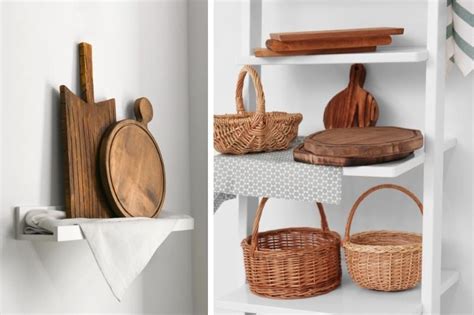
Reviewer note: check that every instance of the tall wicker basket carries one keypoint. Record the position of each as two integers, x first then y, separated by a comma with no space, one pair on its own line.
383,260
258,131
294,262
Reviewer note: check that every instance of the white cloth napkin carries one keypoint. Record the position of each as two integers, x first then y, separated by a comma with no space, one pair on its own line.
460,34
122,247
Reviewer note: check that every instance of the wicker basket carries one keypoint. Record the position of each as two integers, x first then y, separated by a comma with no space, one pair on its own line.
258,131
383,260
294,262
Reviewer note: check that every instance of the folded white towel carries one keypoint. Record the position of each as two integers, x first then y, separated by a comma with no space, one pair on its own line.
122,247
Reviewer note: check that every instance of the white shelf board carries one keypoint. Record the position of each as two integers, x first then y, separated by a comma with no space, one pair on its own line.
347,299
395,168
73,232
382,55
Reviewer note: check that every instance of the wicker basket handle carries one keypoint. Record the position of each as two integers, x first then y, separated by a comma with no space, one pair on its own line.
258,90
371,190
258,215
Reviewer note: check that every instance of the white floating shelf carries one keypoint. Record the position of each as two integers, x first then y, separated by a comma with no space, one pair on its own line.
395,168
382,55
347,299
73,232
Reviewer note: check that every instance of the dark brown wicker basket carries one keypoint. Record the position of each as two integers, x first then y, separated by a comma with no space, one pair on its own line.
294,262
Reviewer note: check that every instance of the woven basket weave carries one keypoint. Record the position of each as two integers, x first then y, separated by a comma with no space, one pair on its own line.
383,260
294,262
258,131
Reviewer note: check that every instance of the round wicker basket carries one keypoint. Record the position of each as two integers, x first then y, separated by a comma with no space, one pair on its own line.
383,260
258,131
294,262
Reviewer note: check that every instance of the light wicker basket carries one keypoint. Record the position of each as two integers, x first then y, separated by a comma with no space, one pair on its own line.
383,260
258,131
294,262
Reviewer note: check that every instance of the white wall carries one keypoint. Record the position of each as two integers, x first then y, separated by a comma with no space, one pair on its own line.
399,90
139,49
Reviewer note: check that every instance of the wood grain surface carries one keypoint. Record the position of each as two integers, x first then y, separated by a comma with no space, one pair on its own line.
131,165
301,155
333,34
371,142
265,52
338,43
353,106
83,124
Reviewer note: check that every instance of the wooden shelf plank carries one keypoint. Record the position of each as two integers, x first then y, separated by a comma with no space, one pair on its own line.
382,55
347,299
73,232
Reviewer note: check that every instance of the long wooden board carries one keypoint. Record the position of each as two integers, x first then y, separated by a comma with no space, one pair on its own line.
264,52
308,45
83,124
333,34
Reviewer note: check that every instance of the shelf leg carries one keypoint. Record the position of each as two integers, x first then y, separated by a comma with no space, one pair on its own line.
251,38
433,166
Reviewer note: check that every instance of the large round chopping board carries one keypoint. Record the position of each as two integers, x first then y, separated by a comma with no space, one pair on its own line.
132,168
358,146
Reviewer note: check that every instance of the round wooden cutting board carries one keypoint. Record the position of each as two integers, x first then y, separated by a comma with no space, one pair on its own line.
358,146
131,165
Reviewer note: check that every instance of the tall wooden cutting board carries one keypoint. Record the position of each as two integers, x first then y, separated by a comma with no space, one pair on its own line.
83,124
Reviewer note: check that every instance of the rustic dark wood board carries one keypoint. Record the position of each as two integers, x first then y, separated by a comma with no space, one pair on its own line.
301,155
339,43
265,52
353,106
333,34
131,166
370,142
83,125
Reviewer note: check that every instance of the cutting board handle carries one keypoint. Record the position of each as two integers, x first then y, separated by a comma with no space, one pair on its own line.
143,110
357,74
85,67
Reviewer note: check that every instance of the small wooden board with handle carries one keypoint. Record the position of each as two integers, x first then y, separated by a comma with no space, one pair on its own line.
358,146
83,124
353,106
132,169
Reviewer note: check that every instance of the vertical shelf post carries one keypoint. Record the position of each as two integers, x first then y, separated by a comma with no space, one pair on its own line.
433,166
251,38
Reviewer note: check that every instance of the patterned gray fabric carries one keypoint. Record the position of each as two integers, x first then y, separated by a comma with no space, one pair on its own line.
220,198
277,175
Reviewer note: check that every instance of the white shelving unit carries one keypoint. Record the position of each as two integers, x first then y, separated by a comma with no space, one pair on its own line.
349,299
382,55
66,233
425,299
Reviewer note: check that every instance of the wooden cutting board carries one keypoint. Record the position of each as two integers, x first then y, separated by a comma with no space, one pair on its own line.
371,142
83,124
353,106
301,155
338,43
333,34
264,52
131,166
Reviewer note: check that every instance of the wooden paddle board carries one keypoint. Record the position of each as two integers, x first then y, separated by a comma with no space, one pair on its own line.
83,123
